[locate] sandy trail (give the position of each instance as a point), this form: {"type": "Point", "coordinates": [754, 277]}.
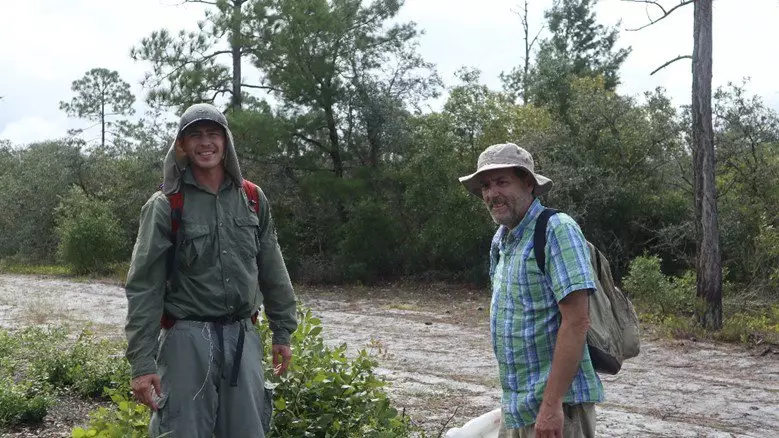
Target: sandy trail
{"type": "Point", "coordinates": [434, 349]}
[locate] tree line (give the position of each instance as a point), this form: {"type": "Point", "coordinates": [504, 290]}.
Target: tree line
{"type": "Point", "coordinates": [363, 182]}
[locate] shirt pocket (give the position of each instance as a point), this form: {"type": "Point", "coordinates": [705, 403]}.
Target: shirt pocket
{"type": "Point", "coordinates": [245, 236]}
{"type": "Point", "coordinates": [533, 287]}
{"type": "Point", "coordinates": [193, 249]}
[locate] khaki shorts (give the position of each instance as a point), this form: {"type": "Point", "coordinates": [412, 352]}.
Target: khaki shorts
{"type": "Point", "coordinates": [579, 423]}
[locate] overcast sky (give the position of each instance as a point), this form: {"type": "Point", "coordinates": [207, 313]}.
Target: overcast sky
{"type": "Point", "coordinates": [46, 44]}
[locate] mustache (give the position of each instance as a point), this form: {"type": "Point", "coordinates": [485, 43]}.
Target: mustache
{"type": "Point", "coordinates": [491, 203]}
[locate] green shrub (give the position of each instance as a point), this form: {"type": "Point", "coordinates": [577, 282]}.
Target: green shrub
{"type": "Point", "coordinates": [95, 364]}
{"type": "Point", "coordinates": [86, 365]}
{"type": "Point", "coordinates": [90, 235]}
{"type": "Point", "coordinates": [126, 419]}
{"type": "Point", "coordinates": [748, 327]}
{"type": "Point", "coordinates": [365, 254]}
{"type": "Point", "coordinates": [658, 293]}
{"type": "Point", "coordinates": [326, 394]}
{"type": "Point", "coordinates": [36, 363]}
{"type": "Point", "coordinates": [22, 403]}
{"type": "Point", "coordinates": [34, 354]}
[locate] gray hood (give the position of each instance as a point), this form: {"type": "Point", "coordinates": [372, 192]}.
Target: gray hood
{"type": "Point", "coordinates": [174, 166]}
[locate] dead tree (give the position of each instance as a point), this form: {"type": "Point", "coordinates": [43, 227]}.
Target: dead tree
{"type": "Point", "coordinates": [709, 257]}
{"type": "Point", "coordinates": [529, 43]}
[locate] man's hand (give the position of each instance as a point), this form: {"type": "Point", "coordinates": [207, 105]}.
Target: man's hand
{"type": "Point", "coordinates": [281, 357]}
{"type": "Point", "coordinates": [142, 389]}
{"type": "Point", "coordinates": [550, 419]}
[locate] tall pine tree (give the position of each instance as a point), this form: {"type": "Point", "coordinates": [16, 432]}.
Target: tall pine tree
{"type": "Point", "coordinates": [578, 47]}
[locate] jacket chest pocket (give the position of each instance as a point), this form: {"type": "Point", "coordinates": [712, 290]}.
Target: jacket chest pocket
{"type": "Point", "coordinates": [196, 240]}
{"type": "Point", "coordinates": [245, 236]}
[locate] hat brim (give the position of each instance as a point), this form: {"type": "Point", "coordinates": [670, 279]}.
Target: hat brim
{"type": "Point", "coordinates": [471, 182]}
{"type": "Point", "coordinates": [200, 120]}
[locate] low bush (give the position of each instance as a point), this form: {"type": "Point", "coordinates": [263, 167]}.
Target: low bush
{"type": "Point", "coordinates": [22, 403]}
{"type": "Point", "coordinates": [751, 327]}
{"type": "Point", "coordinates": [671, 302]}
{"type": "Point", "coordinates": [90, 235]}
{"type": "Point", "coordinates": [325, 393]}
{"type": "Point", "coordinates": [655, 292]}
{"type": "Point", "coordinates": [36, 363]}
{"type": "Point", "coordinates": [126, 419]}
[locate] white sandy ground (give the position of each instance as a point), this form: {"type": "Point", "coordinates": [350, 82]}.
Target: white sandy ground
{"type": "Point", "coordinates": [442, 370]}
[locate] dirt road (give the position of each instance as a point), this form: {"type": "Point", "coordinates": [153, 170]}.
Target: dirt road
{"type": "Point", "coordinates": [432, 345]}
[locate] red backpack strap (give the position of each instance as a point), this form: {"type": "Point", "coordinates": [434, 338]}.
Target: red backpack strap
{"type": "Point", "coordinates": [176, 201]}
{"type": "Point", "coordinates": [253, 193]}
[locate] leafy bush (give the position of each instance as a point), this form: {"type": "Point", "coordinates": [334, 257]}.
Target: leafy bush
{"type": "Point", "coordinates": [86, 365]}
{"type": "Point", "coordinates": [749, 327]}
{"type": "Point", "coordinates": [37, 362]}
{"type": "Point", "coordinates": [90, 235]}
{"type": "Point", "coordinates": [366, 254]}
{"type": "Point", "coordinates": [326, 394]}
{"type": "Point", "coordinates": [126, 420]}
{"type": "Point", "coordinates": [650, 288]}
{"type": "Point", "coordinates": [25, 402]}
{"type": "Point", "coordinates": [92, 365]}
{"type": "Point", "coordinates": [22, 399]}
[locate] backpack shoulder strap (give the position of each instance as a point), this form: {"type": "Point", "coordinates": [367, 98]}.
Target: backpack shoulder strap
{"type": "Point", "coordinates": [253, 194]}
{"type": "Point", "coordinates": [539, 237]}
{"type": "Point", "coordinates": [176, 201]}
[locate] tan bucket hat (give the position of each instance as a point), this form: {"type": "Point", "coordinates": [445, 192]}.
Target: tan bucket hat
{"type": "Point", "coordinates": [502, 156]}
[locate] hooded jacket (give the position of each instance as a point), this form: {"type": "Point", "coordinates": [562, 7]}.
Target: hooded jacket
{"type": "Point", "coordinates": [230, 260]}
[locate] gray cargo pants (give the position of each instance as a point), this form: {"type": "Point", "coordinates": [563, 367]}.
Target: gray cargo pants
{"type": "Point", "coordinates": [197, 399]}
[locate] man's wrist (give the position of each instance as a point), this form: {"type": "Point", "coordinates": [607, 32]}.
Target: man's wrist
{"type": "Point", "coordinates": [281, 337]}
{"type": "Point", "coordinates": [552, 402]}
{"type": "Point", "coordinates": [143, 368]}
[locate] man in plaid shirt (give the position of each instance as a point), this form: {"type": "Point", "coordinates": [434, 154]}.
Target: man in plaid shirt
{"type": "Point", "coordinates": [538, 321]}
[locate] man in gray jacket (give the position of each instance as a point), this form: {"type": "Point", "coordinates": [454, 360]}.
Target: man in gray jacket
{"type": "Point", "coordinates": [196, 359]}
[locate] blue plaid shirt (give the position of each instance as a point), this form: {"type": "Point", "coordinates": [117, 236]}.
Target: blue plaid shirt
{"type": "Point", "coordinates": [525, 318]}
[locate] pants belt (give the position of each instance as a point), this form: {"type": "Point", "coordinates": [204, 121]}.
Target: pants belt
{"type": "Point", "coordinates": [219, 322]}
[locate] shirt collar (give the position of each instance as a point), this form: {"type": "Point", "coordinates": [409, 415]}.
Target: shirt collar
{"type": "Point", "coordinates": [189, 178]}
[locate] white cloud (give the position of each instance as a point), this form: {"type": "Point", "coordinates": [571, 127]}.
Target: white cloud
{"type": "Point", "coordinates": [32, 129]}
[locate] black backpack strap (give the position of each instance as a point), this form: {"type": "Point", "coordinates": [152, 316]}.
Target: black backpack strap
{"type": "Point", "coordinates": [539, 237]}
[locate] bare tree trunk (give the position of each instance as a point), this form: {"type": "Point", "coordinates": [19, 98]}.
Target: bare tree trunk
{"type": "Point", "coordinates": [102, 122]}
{"type": "Point", "coordinates": [709, 263]}
{"type": "Point", "coordinates": [528, 48]}
{"type": "Point", "coordinates": [235, 46]}
{"type": "Point", "coordinates": [335, 147]}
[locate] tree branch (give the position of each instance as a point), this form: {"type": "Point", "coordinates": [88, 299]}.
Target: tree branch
{"type": "Point", "coordinates": [179, 64]}
{"type": "Point", "coordinates": [261, 87]}
{"type": "Point", "coordinates": [312, 141]}
{"type": "Point", "coordinates": [651, 3]}
{"type": "Point", "coordinates": [670, 62]}
{"type": "Point", "coordinates": [199, 1]}
{"type": "Point", "coordinates": [666, 13]}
